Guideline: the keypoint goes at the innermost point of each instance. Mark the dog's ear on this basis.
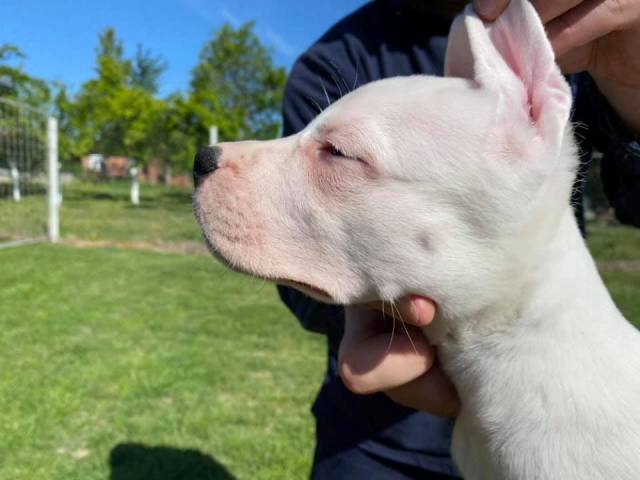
(513, 57)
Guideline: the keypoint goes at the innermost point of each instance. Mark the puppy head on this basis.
(409, 185)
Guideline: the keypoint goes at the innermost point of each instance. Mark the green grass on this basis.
(614, 243)
(133, 365)
(137, 358)
(102, 211)
(619, 247)
(625, 290)
(25, 219)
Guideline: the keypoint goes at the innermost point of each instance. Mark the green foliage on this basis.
(21, 130)
(146, 70)
(114, 112)
(234, 86)
(16, 84)
(62, 110)
(109, 46)
(175, 131)
(236, 82)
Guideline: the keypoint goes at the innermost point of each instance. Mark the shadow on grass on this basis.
(135, 461)
(181, 195)
(79, 195)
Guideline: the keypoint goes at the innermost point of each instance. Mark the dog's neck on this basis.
(561, 367)
(555, 276)
(561, 301)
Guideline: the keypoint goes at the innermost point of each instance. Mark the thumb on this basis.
(489, 10)
(370, 362)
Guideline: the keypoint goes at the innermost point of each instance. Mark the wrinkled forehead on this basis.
(418, 111)
(409, 89)
(417, 98)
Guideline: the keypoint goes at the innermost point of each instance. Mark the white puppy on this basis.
(476, 172)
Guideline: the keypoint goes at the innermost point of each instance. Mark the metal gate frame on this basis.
(53, 176)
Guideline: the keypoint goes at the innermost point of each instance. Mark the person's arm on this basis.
(621, 171)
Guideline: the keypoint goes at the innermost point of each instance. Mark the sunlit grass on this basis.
(104, 348)
(132, 365)
(102, 211)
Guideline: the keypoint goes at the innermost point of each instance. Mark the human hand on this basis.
(396, 359)
(598, 36)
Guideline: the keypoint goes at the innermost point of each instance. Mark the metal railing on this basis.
(29, 175)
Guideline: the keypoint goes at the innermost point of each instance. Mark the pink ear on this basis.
(513, 57)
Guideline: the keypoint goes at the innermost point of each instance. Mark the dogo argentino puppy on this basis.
(455, 188)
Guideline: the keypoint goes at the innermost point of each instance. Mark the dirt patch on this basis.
(619, 266)
(189, 248)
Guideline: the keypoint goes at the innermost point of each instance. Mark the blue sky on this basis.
(59, 36)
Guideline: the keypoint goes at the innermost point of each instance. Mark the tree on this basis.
(173, 133)
(27, 128)
(112, 68)
(62, 110)
(237, 85)
(16, 84)
(146, 70)
(114, 112)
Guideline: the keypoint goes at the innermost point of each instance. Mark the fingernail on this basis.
(422, 310)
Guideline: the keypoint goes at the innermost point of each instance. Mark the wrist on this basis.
(624, 101)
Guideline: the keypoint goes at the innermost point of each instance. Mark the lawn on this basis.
(24, 219)
(148, 366)
(614, 243)
(132, 365)
(617, 250)
(102, 211)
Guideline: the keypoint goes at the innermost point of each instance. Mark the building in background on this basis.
(119, 167)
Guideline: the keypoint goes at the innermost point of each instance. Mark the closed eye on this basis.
(334, 151)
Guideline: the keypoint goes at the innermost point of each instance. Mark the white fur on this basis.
(457, 189)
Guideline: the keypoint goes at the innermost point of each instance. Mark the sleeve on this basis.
(315, 81)
(620, 148)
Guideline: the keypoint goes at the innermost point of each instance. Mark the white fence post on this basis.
(15, 180)
(54, 174)
(60, 185)
(213, 135)
(135, 186)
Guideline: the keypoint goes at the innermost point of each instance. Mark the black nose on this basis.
(205, 162)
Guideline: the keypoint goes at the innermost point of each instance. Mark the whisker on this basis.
(340, 76)
(355, 80)
(316, 104)
(324, 90)
(393, 305)
(337, 85)
(393, 328)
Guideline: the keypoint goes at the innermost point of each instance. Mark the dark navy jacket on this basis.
(389, 38)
